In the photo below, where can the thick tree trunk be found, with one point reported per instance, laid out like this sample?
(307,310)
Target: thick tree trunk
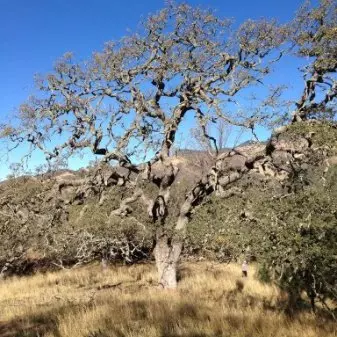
(167,257)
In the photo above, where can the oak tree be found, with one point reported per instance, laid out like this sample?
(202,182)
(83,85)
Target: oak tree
(126,104)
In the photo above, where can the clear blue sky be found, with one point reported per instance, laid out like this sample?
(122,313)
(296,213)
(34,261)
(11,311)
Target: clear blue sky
(34,33)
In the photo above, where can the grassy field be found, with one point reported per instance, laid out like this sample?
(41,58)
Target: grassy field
(212,300)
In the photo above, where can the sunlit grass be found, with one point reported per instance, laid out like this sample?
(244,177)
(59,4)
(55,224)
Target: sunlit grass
(212,300)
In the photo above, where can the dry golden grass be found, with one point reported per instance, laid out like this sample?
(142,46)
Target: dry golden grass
(124,301)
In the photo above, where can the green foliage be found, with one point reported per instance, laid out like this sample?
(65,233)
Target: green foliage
(292,233)
(298,238)
(320,133)
(264,273)
(293,237)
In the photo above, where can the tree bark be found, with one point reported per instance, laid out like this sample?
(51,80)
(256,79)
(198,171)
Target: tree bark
(167,256)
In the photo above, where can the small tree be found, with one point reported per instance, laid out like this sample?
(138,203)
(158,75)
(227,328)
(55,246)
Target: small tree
(302,241)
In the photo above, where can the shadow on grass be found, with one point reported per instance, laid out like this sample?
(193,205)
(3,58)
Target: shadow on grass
(167,318)
(184,318)
(35,325)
